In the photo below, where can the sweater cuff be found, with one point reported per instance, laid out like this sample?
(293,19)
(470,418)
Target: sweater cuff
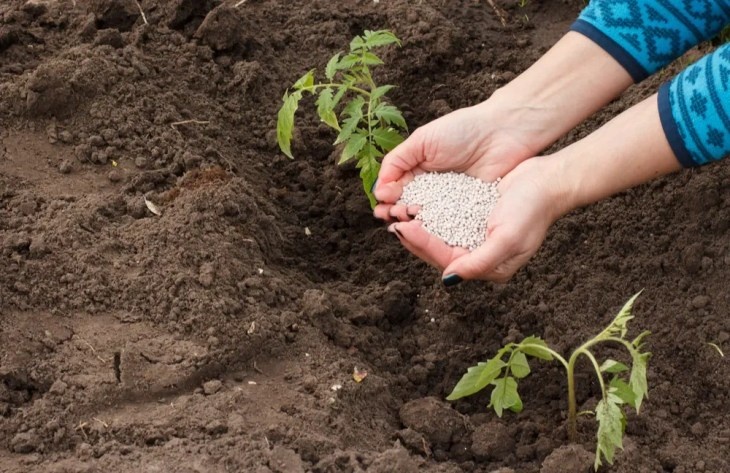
(671,129)
(632,66)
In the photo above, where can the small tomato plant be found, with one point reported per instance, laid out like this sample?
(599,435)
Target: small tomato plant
(351,103)
(618,392)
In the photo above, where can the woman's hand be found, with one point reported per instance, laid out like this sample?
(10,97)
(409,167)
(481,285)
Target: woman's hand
(531,200)
(474,140)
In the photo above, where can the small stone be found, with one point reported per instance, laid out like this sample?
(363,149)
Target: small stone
(25,442)
(37,247)
(65,167)
(96,141)
(700,302)
(115,175)
(207,274)
(58,387)
(66,136)
(141,162)
(697,429)
(110,37)
(212,387)
(216,427)
(491,441)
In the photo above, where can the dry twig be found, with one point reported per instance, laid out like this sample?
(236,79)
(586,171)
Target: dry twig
(185,122)
(144,17)
(499,11)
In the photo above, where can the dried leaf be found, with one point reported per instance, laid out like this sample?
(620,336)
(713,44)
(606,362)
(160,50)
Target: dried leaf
(152,207)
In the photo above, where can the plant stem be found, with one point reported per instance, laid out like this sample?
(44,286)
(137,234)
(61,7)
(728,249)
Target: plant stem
(572,404)
(333,84)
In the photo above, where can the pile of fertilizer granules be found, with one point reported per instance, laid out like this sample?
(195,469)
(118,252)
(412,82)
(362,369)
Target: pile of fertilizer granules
(454,207)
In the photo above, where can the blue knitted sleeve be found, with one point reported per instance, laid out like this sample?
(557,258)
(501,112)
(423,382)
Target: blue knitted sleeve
(645,35)
(695,110)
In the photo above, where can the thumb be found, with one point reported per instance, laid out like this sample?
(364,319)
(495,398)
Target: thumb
(403,159)
(481,262)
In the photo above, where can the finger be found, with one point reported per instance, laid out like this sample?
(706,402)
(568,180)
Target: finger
(401,213)
(390,192)
(403,159)
(483,261)
(382,212)
(427,246)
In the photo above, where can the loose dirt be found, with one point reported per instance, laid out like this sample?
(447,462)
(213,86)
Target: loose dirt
(221,336)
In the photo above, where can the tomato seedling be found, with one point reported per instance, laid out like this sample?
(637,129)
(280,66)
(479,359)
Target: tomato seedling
(368,126)
(615,394)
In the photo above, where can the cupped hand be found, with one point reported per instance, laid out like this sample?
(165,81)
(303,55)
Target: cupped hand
(474,140)
(531,199)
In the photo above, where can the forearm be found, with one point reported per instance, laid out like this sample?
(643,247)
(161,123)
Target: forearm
(574,79)
(629,150)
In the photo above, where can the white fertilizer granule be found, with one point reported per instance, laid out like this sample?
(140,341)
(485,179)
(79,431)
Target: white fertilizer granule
(454,207)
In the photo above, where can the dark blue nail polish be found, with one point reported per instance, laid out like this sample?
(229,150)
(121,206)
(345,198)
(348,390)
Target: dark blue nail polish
(374,184)
(451,280)
(400,235)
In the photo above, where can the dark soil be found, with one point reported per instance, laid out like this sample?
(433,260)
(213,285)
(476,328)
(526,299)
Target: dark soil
(213,338)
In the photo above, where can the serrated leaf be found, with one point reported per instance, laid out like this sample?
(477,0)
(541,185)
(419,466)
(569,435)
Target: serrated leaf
(331,69)
(380,91)
(387,139)
(613,367)
(369,169)
(519,365)
(390,115)
(505,396)
(353,111)
(610,429)
(370,59)
(477,378)
(305,82)
(638,342)
(354,145)
(619,324)
(373,39)
(285,121)
(325,108)
(536,347)
(623,391)
(637,379)
(347,62)
(357,43)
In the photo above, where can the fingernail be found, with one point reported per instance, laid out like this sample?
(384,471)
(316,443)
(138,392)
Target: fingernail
(372,189)
(451,280)
(393,229)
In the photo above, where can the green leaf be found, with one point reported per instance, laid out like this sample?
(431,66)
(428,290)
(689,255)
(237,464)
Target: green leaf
(348,61)
(354,145)
(505,396)
(638,342)
(357,43)
(285,121)
(536,347)
(387,139)
(340,93)
(519,365)
(613,367)
(370,59)
(610,429)
(325,108)
(374,39)
(305,82)
(353,111)
(637,379)
(618,326)
(477,378)
(380,91)
(369,169)
(623,391)
(390,115)
(331,69)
